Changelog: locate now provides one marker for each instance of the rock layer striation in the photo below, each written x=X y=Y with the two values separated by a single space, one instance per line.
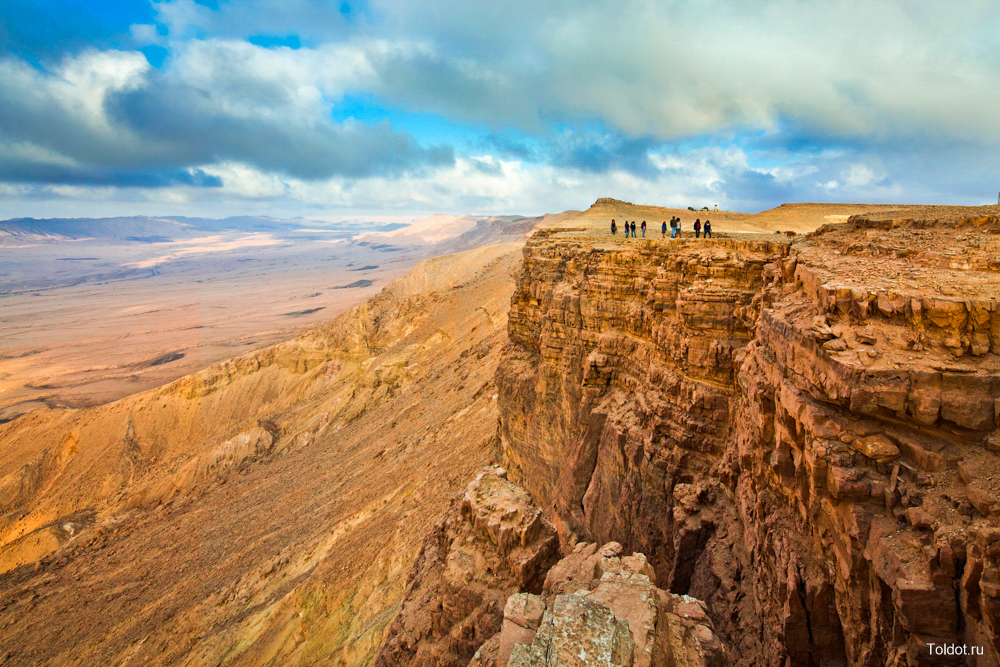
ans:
x=803 y=435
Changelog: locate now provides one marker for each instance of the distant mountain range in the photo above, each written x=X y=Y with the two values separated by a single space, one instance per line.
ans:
x=161 y=229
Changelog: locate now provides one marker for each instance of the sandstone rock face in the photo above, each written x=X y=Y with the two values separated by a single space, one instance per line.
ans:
x=492 y=542
x=521 y=617
x=779 y=427
x=599 y=608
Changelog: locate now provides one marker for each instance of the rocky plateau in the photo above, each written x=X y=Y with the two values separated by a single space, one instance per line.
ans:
x=802 y=434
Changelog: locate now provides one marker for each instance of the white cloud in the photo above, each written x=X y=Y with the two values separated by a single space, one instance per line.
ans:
x=847 y=67
x=243 y=181
x=76 y=88
x=145 y=34
x=859 y=175
x=182 y=16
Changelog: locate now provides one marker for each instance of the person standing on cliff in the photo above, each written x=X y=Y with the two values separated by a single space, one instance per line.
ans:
x=643 y=229
x=697 y=228
x=708 y=229
x=614 y=228
x=673 y=228
x=663 y=228
x=633 y=229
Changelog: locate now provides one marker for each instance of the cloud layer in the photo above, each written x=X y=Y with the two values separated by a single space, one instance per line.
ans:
x=252 y=104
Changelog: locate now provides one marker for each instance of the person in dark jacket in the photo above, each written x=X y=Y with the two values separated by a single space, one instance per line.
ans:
x=614 y=227
x=708 y=229
x=697 y=228
x=633 y=229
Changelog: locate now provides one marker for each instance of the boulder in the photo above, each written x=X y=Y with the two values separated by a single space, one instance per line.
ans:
x=877 y=447
x=579 y=631
x=588 y=597
x=492 y=542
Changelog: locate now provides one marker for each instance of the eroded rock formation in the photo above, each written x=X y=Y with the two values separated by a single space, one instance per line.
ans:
x=492 y=542
x=802 y=435
x=600 y=608
x=476 y=592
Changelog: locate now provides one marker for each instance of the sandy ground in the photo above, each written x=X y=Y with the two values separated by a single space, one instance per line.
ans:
x=87 y=322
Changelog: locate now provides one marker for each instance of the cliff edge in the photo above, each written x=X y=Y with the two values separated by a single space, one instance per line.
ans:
x=803 y=435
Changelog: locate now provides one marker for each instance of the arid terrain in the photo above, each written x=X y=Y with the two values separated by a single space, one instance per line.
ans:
x=759 y=449
x=95 y=310
x=267 y=508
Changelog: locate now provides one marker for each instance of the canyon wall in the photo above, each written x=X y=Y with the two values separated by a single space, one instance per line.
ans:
x=803 y=435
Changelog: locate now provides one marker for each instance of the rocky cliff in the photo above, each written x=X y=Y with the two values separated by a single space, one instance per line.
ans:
x=802 y=435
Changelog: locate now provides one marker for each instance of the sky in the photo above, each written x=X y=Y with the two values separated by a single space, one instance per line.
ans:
x=318 y=107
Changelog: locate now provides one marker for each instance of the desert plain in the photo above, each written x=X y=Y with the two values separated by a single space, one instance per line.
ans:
x=95 y=310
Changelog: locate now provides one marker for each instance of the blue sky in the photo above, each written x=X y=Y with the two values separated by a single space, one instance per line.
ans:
x=312 y=107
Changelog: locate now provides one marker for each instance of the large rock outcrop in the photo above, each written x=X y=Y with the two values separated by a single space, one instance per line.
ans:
x=492 y=542
x=598 y=607
x=486 y=590
x=802 y=435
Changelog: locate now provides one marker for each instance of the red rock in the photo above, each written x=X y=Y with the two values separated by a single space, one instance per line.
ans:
x=492 y=542
x=981 y=498
x=521 y=617
x=590 y=597
x=877 y=447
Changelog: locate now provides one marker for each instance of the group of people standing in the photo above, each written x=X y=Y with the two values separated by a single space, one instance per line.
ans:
x=629 y=228
x=675 y=228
